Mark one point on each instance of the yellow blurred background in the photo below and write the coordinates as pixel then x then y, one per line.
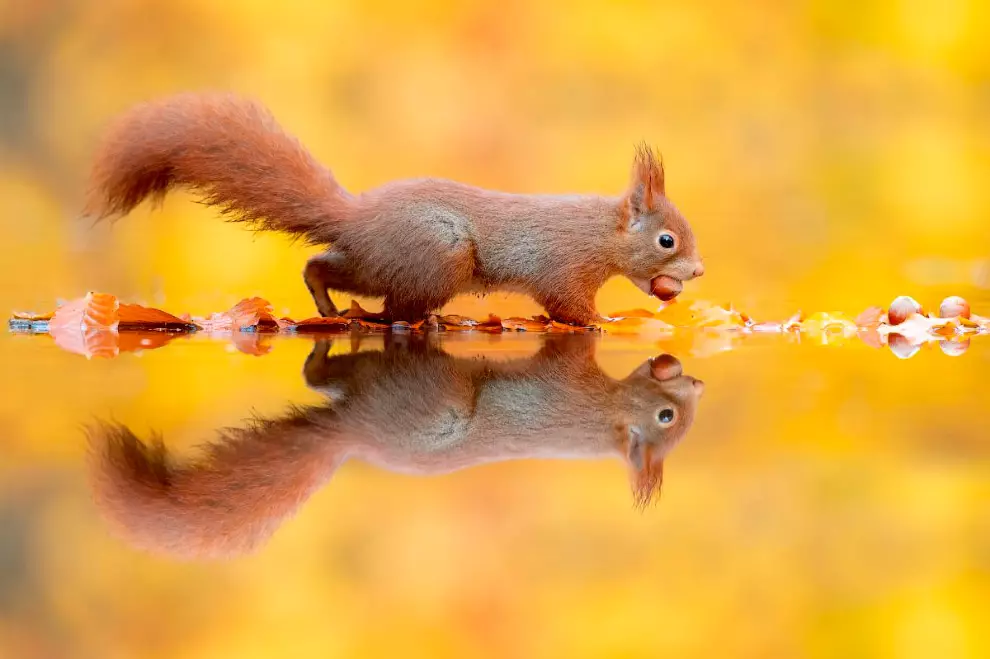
pixel 830 501
pixel 830 155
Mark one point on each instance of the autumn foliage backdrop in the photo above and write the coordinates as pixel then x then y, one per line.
pixel 831 155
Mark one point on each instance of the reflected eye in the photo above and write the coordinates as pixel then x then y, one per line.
pixel 665 416
pixel 666 241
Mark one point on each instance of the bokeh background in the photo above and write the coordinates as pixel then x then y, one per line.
pixel 830 155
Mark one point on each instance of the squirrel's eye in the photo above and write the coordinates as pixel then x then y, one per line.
pixel 665 416
pixel 666 241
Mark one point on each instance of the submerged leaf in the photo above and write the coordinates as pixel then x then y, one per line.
pixel 252 343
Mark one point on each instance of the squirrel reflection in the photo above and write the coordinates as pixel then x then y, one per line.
pixel 413 409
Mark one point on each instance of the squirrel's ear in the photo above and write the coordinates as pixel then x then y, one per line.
pixel 647 186
pixel 645 466
pixel 647 477
pixel 637 453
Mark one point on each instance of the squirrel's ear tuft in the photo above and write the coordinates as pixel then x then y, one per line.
pixel 647 186
pixel 646 483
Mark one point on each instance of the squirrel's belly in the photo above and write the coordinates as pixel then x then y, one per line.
pixel 480 286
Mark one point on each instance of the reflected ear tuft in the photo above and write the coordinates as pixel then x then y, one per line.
pixel 647 481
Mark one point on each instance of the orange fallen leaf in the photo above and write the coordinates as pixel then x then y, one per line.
pixel 634 313
pixel 524 325
pixel 711 316
pixel 371 325
pixel 557 327
pixel 31 315
pixel 135 316
pixel 255 312
pixel 357 312
pixel 455 323
pixel 944 329
pixel 320 323
pixel 871 317
pixel 492 324
pixel 636 325
pixel 678 315
pixel 92 311
pixel 453 320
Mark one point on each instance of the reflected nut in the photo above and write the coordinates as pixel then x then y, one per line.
pixel 954 348
pixel 665 367
pixel 901 309
pixel 953 307
pixel 902 346
pixel 666 288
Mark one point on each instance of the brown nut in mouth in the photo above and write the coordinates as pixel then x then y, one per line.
pixel 666 288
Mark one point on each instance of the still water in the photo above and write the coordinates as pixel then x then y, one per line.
pixel 510 495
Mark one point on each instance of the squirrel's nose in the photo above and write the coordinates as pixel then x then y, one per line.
pixel 699 269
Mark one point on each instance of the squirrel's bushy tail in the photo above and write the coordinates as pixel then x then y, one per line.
pixel 227 503
pixel 227 148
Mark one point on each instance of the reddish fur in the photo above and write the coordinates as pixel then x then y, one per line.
pixel 418 411
pixel 227 502
pixel 417 243
pixel 648 480
pixel 230 150
pixel 648 181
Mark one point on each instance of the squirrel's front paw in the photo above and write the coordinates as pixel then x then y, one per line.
pixel 594 320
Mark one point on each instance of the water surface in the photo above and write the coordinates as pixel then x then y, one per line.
pixel 478 495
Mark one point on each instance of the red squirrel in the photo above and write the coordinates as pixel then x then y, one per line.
pixel 416 243
pixel 414 410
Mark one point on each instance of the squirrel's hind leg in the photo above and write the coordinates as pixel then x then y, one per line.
pixel 407 310
pixel 329 270
pixel 572 307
